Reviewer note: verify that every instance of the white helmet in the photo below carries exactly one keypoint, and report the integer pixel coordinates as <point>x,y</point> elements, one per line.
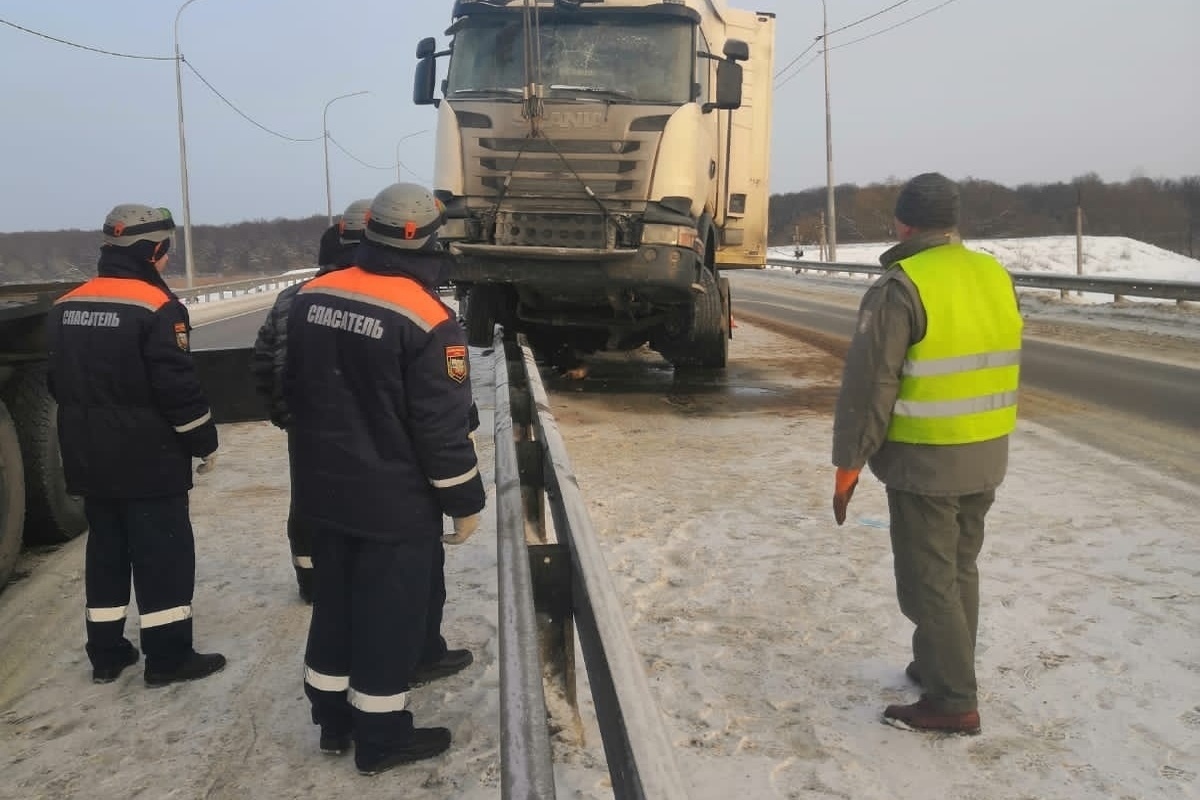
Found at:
<point>130,222</point>
<point>404,216</point>
<point>354,221</point>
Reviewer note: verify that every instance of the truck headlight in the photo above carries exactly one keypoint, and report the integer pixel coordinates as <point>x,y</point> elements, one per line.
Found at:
<point>671,235</point>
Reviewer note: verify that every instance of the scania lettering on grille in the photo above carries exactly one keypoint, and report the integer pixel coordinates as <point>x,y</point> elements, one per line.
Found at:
<point>574,119</point>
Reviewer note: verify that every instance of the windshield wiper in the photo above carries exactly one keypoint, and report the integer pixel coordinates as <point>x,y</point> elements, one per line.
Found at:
<point>489,91</point>
<point>593,90</point>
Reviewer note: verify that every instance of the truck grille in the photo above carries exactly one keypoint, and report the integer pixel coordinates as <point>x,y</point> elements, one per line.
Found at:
<point>613,170</point>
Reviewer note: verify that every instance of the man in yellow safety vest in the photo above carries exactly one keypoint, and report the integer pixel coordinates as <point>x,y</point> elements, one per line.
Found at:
<point>928,400</point>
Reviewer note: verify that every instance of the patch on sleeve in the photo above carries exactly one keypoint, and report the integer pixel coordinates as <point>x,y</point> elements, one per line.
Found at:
<point>456,362</point>
<point>181,336</point>
<point>864,322</point>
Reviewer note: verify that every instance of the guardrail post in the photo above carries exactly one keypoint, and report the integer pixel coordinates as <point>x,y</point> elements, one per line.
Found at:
<point>549,564</point>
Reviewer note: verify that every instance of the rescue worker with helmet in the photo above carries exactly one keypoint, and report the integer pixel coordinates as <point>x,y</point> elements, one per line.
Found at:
<point>131,417</point>
<point>928,400</point>
<point>338,246</point>
<point>377,381</point>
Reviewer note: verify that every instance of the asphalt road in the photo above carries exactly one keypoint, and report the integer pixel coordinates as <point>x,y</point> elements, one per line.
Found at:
<point>1141,409</point>
<point>1166,393</point>
<point>239,331</point>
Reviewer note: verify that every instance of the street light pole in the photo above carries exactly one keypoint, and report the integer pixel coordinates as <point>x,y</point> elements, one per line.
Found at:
<point>830,210</point>
<point>189,264</point>
<point>325,128</point>
<point>400,163</point>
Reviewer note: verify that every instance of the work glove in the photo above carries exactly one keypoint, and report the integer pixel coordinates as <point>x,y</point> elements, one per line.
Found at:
<point>843,489</point>
<point>463,528</point>
<point>207,463</point>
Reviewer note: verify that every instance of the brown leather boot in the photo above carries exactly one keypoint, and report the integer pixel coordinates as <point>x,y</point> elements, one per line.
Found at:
<point>924,716</point>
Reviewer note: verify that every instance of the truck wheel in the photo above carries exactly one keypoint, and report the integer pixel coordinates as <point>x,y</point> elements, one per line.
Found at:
<point>12,496</point>
<point>706,342</point>
<point>727,305</point>
<point>52,515</point>
<point>482,303</point>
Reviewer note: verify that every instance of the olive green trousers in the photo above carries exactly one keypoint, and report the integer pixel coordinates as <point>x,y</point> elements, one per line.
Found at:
<point>935,544</point>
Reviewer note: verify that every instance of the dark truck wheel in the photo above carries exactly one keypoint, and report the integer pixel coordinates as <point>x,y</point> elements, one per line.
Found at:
<point>12,496</point>
<point>704,343</point>
<point>482,311</point>
<point>51,515</point>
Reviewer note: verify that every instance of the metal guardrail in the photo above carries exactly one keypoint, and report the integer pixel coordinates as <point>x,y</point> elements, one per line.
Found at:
<point>1180,291</point>
<point>223,291</point>
<point>544,585</point>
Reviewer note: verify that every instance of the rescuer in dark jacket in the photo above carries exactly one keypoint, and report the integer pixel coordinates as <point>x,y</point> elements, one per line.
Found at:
<point>338,245</point>
<point>131,417</point>
<point>378,385</point>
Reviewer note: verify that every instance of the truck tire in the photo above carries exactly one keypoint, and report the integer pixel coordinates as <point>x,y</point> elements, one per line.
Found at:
<point>12,496</point>
<point>52,516</point>
<point>482,300</point>
<point>727,305</point>
<point>705,344</point>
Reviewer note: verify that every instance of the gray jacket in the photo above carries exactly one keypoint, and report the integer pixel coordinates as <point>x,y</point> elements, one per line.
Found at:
<point>890,319</point>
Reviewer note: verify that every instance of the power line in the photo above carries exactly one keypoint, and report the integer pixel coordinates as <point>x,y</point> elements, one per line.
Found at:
<point>356,158</point>
<point>84,46</point>
<point>856,22</point>
<point>806,50</point>
<point>891,27</point>
<point>241,113</point>
<point>805,66</point>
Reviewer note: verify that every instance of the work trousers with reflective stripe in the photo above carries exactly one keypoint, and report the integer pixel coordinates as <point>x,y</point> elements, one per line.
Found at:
<point>151,540</point>
<point>299,534</point>
<point>935,545</point>
<point>372,622</point>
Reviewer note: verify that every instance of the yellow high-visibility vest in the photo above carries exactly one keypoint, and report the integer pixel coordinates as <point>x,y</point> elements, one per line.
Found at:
<point>959,383</point>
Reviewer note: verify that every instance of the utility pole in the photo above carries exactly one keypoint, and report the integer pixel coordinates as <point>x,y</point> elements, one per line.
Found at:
<point>189,263</point>
<point>325,136</point>
<point>830,210</point>
<point>1079,231</point>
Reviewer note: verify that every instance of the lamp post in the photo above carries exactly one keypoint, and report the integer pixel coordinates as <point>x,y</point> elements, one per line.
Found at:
<point>400,163</point>
<point>189,264</point>
<point>830,210</point>
<point>325,128</point>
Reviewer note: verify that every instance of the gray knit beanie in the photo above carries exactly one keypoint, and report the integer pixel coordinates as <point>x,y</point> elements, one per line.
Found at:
<point>929,202</point>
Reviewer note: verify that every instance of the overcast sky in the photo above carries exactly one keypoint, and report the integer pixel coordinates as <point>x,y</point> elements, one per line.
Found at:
<point>1008,90</point>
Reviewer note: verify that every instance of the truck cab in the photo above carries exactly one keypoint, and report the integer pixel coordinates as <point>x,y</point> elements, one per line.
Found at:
<point>601,162</point>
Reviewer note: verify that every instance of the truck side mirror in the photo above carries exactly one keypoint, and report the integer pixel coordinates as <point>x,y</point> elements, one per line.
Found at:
<point>729,86</point>
<point>736,50</point>
<point>426,47</point>
<point>424,82</point>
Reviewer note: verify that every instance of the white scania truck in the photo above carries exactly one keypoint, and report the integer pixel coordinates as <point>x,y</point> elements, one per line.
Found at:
<point>601,163</point>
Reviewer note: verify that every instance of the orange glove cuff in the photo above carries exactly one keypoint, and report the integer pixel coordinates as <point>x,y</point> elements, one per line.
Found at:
<point>845,480</point>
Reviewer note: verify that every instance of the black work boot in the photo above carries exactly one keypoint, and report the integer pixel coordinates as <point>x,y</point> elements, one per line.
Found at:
<point>194,667</point>
<point>334,743</point>
<point>424,743</point>
<point>110,672</point>
<point>453,661</point>
<point>913,673</point>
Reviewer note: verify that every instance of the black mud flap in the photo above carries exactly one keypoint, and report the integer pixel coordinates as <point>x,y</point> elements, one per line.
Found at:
<point>229,384</point>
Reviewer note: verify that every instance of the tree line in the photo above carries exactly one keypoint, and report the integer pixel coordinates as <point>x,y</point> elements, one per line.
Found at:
<point>1163,212</point>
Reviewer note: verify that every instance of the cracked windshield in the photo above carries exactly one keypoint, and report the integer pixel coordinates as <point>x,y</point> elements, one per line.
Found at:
<point>602,60</point>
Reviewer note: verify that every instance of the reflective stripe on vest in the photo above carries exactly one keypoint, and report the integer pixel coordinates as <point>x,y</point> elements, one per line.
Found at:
<point>959,383</point>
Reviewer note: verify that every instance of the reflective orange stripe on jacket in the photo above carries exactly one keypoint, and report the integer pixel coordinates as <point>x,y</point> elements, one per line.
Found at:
<point>398,293</point>
<point>129,291</point>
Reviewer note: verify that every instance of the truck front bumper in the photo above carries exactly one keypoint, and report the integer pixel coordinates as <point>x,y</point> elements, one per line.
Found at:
<point>663,272</point>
